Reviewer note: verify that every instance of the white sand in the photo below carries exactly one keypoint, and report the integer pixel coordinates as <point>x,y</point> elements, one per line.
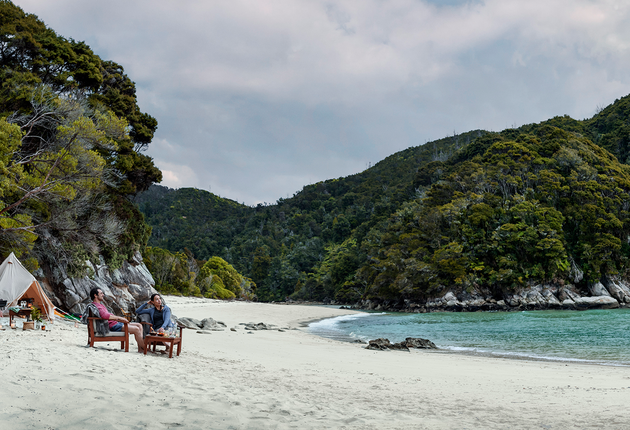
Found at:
<point>272,379</point>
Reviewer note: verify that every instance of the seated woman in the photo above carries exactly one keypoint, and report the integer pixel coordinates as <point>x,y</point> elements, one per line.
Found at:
<point>160,314</point>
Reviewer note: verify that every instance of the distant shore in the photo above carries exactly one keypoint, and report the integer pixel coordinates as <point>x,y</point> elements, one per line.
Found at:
<point>273,379</point>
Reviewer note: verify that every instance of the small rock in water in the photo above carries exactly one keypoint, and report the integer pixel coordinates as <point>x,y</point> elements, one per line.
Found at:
<point>418,342</point>
<point>380,344</point>
<point>411,342</point>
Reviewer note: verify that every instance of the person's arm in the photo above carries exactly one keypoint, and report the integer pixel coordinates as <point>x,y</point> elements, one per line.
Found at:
<point>167,317</point>
<point>106,315</point>
<point>142,310</point>
<point>117,318</point>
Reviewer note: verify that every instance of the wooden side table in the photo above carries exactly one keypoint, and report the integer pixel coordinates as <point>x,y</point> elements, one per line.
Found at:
<point>22,312</point>
<point>153,339</point>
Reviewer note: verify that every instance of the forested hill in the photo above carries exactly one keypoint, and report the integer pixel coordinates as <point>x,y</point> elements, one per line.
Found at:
<point>190,218</point>
<point>497,211</point>
<point>206,224</point>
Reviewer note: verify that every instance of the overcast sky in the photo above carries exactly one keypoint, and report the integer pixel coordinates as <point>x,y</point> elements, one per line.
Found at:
<point>256,99</point>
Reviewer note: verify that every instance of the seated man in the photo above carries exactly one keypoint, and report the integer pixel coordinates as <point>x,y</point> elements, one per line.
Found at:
<point>115,322</point>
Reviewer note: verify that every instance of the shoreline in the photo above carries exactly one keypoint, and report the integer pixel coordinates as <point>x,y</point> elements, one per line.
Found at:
<point>294,379</point>
<point>474,351</point>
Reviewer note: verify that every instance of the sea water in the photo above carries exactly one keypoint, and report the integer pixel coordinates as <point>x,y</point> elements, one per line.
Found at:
<point>594,336</point>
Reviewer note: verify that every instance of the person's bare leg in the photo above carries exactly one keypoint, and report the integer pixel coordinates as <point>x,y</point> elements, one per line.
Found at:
<point>136,330</point>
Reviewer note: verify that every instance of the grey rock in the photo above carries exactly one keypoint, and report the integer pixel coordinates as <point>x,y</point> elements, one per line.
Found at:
<point>550,298</point>
<point>233,329</point>
<point>190,323</point>
<point>598,289</point>
<point>568,292</point>
<point>418,342</point>
<point>449,297</point>
<point>601,302</point>
<point>618,289</point>
<point>382,344</point>
<point>204,332</point>
<point>124,287</point>
<point>258,326</point>
<point>576,274</point>
<point>209,323</point>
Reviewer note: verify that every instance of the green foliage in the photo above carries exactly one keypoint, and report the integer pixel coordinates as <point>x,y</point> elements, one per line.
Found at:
<point>32,54</point>
<point>179,273</point>
<point>225,282</point>
<point>36,314</point>
<point>281,246</point>
<point>514,214</point>
<point>70,136</point>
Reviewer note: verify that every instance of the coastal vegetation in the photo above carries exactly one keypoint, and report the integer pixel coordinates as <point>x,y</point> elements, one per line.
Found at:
<point>71,142</point>
<point>181,274</point>
<point>496,211</point>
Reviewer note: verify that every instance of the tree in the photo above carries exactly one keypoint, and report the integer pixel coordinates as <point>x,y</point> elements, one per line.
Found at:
<point>55,180</point>
<point>32,54</point>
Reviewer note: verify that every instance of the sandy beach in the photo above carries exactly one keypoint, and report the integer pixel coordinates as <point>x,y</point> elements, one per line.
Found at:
<point>290,379</point>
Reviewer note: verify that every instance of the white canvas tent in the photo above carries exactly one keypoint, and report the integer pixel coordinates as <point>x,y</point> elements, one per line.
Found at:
<point>16,283</point>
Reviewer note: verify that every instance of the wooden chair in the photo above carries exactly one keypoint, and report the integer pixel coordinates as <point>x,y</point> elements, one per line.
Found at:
<point>145,320</point>
<point>112,336</point>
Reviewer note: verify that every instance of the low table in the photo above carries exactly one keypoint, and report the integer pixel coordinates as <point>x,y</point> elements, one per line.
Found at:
<point>22,312</point>
<point>153,339</point>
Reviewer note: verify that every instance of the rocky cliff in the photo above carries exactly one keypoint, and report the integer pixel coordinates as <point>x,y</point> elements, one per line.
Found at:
<point>125,288</point>
<point>610,293</point>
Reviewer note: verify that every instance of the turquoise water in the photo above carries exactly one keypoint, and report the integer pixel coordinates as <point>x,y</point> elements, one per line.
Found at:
<point>597,336</point>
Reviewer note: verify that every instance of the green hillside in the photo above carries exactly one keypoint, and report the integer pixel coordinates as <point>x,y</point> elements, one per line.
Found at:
<point>300,241</point>
<point>480,210</point>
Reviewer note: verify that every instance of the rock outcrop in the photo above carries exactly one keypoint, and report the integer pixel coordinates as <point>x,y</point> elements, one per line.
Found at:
<point>601,302</point>
<point>124,288</point>
<point>610,293</point>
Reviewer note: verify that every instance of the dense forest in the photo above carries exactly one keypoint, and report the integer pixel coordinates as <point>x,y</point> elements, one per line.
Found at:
<point>543,202</point>
<point>71,152</point>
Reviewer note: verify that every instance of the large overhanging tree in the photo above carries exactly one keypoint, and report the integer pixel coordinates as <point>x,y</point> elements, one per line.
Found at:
<point>55,173</point>
<point>71,136</point>
<point>32,54</point>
